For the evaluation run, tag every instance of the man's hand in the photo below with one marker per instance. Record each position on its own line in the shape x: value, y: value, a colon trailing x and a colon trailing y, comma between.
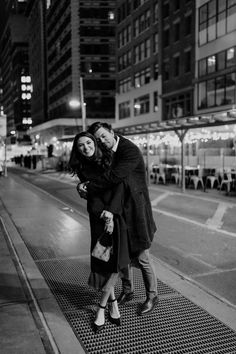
x: 82, y: 189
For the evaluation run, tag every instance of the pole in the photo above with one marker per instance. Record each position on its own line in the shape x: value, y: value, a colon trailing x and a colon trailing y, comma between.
x: 83, y: 108
x: 5, y: 158
x: 147, y: 160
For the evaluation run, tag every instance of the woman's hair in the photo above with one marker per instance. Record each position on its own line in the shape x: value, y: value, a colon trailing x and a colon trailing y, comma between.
x: 77, y: 160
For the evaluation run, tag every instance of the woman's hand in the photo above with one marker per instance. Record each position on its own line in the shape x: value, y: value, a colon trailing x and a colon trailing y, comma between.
x: 82, y: 189
x: 109, y: 226
x: 107, y: 216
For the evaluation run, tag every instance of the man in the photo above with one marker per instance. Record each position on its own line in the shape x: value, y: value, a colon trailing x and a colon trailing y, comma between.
x: 128, y: 167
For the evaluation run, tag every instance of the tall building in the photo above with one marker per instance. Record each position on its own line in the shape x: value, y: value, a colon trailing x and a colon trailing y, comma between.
x: 178, y: 57
x: 138, y: 73
x: 80, y: 39
x: 215, y: 88
x: 16, y: 83
x: 36, y: 14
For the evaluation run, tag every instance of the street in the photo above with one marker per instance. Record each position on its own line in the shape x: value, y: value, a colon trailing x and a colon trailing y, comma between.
x: 196, y: 233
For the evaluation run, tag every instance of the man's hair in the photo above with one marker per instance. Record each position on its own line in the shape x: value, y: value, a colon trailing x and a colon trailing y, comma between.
x: 97, y: 125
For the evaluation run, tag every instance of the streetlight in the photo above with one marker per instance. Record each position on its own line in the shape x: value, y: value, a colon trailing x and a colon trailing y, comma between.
x: 75, y: 104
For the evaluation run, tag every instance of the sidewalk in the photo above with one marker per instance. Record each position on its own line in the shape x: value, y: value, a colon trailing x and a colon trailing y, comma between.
x: 31, y: 320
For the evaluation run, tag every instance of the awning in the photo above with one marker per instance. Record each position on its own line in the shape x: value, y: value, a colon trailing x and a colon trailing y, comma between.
x: 201, y: 121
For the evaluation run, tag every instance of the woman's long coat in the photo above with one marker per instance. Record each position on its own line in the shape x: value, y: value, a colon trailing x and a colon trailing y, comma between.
x: 128, y: 167
x: 96, y: 203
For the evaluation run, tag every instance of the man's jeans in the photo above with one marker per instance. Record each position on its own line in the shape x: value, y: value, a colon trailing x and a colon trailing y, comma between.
x: 150, y: 282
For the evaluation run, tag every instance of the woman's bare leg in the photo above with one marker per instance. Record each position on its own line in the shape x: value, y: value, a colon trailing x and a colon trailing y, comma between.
x: 100, y: 316
x: 114, y: 309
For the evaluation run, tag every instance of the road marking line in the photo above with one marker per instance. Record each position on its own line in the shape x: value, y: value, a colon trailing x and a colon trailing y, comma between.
x: 210, y: 199
x: 216, y: 221
x: 155, y: 201
x: 197, y: 223
x: 213, y: 272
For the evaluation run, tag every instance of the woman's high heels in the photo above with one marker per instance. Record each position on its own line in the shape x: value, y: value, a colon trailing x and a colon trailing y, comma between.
x: 113, y: 320
x: 98, y: 328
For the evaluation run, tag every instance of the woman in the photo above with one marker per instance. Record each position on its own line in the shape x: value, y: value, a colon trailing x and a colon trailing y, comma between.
x: 88, y: 161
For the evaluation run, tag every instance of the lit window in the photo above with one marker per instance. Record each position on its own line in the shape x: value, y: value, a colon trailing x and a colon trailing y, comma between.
x: 111, y: 15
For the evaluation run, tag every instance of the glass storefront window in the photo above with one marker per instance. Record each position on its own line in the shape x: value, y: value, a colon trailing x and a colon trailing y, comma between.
x: 211, y: 64
x: 230, y: 85
x: 211, y: 93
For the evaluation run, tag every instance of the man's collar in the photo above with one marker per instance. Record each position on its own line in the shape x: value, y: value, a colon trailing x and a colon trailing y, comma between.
x: 116, y: 144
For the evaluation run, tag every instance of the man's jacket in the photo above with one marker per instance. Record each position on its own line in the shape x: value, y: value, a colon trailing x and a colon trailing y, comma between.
x: 128, y: 167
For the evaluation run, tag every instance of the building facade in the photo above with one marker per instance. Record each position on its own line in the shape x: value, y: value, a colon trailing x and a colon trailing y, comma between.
x: 215, y: 87
x: 16, y: 82
x: 138, y: 88
x: 36, y: 15
x: 80, y: 38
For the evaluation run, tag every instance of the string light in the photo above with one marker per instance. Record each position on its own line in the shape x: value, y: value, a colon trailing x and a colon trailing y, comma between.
x: 192, y: 137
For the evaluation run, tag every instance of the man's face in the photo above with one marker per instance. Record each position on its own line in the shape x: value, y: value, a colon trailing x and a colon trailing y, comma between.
x: 106, y: 137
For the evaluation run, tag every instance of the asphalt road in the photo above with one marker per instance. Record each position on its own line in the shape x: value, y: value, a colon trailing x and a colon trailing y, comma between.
x: 196, y: 233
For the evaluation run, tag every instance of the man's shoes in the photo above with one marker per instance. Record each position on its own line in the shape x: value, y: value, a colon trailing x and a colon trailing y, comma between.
x: 125, y: 297
x: 148, y: 306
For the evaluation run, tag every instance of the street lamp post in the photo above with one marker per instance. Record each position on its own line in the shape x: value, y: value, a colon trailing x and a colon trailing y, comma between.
x: 75, y: 103
x: 83, y: 107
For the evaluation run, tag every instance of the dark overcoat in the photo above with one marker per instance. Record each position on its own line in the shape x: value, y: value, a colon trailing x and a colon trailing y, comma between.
x: 96, y: 203
x: 128, y: 167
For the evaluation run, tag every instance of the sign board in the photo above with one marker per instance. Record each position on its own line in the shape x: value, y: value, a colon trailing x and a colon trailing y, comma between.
x: 3, y: 125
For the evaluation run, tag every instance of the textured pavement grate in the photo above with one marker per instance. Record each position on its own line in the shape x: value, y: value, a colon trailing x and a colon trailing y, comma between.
x: 177, y: 326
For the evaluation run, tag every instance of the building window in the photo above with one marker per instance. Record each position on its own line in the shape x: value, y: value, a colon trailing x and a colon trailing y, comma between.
x: 177, y: 106
x: 142, y: 23
x: 211, y: 64
x: 142, y: 77
x: 142, y: 51
x: 217, y: 62
x: 217, y: 92
x: 124, y: 110
x: 124, y: 61
x: 166, y: 67
x: 166, y: 9
x: 166, y: 37
x: 176, y: 31
x: 176, y: 5
x: 155, y: 12
x: 124, y: 36
x: 231, y: 57
x: 155, y: 71
x: 155, y: 101
x: 187, y: 61
x: 125, y: 85
x: 216, y: 18
x: 188, y: 25
x: 141, y: 105
x: 176, y: 65
x: 155, y: 43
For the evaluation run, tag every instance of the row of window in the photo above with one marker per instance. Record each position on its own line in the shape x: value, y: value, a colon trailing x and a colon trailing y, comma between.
x: 184, y: 26
x: 142, y: 51
x: 217, y: 62
x: 142, y: 23
x: 125, y: 8
x: 141, y: 78
x: 141, y: 106
x: 216, y: 18
x: 219, y: 91
x: 166, y: 10
x: 178, y: 106
x: 181, y: 65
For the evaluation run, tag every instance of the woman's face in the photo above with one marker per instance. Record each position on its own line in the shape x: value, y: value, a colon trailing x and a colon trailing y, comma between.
x: 86, y: 146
